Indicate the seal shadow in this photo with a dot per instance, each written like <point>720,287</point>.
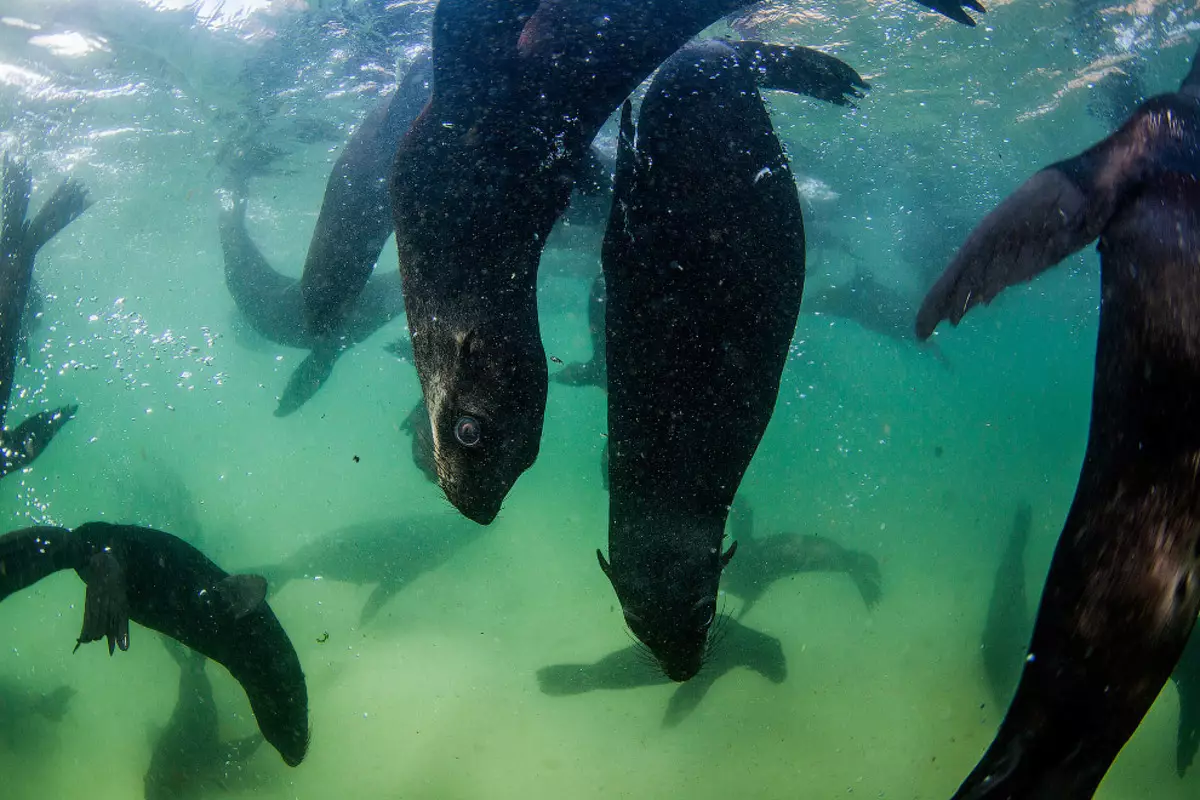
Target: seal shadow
<point>734,645</point>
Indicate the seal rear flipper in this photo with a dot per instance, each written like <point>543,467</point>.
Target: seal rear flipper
<point>21,446</point>
<point>308,378</point>
<point>65,206</point>
<point>241,595</point>
<point>802,70</point>
<point>1047,219</point>
<point>105,606</point>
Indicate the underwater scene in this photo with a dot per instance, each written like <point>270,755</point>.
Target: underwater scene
<point>650,472</point>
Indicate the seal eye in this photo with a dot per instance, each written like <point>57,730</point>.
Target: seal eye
<point>468,432</point>
<point>706,614</point>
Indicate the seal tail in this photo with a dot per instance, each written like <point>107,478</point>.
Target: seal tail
<point>802,70</point>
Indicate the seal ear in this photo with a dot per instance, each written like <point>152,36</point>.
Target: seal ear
<point>604,565</point>
<point>725,558</point>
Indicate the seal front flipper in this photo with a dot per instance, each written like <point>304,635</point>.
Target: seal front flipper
<point>69,200</point>
<point>802,70</point>
<point>19,447</point>
<point>1047,219</point>
<point>105,605</point>
<point>955,9</point>
<point>240,595</point>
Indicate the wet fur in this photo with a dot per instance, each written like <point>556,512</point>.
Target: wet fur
<point>693,371</point>
<point>1122,594</point>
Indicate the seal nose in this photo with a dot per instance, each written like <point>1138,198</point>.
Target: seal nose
<point>475,507</point>
<point>682,672</point>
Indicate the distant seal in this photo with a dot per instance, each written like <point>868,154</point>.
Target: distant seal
<point>1123,591</point>
<point>20,241</point>
<point>1006,631</point>
<point>390,553</point>
<point>698,327</point>
<point>521,88</point>
<point>355,218</point>
<point>763,560</point>
<point>162,582</point>
<point>188,756</point>
<point>273,305</point>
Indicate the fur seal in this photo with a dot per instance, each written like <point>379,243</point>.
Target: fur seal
<point>273,305</point>
<point>390,553</point>
<point>355,218</point>
<point>763,560</point>
<point>1123,591</point>
<point>20,240</point>
<point>162,582</point>
<point>626,669</point>
<point>521,88</point>
<point>698,327</point>
<point>188,755</point>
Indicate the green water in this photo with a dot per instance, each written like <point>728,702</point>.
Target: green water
<point>874,443</point>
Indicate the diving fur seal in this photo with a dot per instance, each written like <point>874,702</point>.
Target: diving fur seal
<point>355,218</point>
<point>698,326</point>
<point>520,90</point>
<point>273,305</point>
<point>763,560</point>
<point>188,758</point>
<point>1123,591</point>
<point>390,553</point>
<point>20,240</point>
<point>162,582</point>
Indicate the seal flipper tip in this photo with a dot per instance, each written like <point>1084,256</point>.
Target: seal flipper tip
<point>241,595</point>
<point>105,606</point>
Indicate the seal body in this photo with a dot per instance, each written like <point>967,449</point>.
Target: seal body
<point>1123,590</point>
<point>704,267</point>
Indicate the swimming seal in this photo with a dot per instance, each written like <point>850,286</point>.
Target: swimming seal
<point>162,582</point>
<point>698,327</point>
<point>520,90</point>
<point>763,560</point>
<point>20,241</point>
<point>1123,591</point>
<point>390,553</point>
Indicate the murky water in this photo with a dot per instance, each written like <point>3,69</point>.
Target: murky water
<point>917,459</point>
